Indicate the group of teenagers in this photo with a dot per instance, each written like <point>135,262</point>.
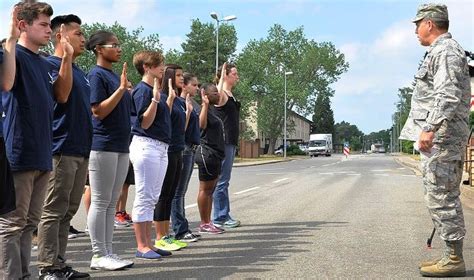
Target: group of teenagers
<point>61,125</point>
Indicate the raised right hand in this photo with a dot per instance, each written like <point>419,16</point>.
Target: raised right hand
<point>156,89</point>
<point>205,100</point>
<point>14,31</point>
<point>171,93</point>
<point>123,77</point>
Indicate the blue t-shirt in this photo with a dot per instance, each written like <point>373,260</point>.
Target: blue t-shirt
<point>1,107</point>
<point>112,134</point>
<point>72,124</point>
<point>160,129</point>
<point>178,125</point>
<point>29,113</point>
<point>193,135</point>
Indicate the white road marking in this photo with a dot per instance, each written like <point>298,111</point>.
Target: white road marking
<point>380,170</point>
<point>384,175</point>
<point>190,206</point>
<point>401,168</point>
<point>270,173</point>
<point>409,175</point>
<point>279,180</point>
<point>247,190</point>
<point>354,174</point>
<point>268,169</point>
<point>327,173</point>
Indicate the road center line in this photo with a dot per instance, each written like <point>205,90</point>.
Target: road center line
<point>279,180</point>
<point>190,206</point>
<point>247,190</point>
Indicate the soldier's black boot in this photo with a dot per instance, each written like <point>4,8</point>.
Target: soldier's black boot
<point>450,265</point>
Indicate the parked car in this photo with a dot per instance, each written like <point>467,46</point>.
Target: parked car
<point>279,150</point>
<point>303,148</point>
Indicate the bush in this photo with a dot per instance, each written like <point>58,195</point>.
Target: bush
<point>294,150</point>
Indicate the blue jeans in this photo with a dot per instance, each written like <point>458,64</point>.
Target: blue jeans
<point>178,217</point>
<point>221,204</point>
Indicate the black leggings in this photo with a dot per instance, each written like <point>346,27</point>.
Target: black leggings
<point>7,189</point>
<point>173,172</point>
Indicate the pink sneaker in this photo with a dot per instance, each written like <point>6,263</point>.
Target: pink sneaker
<point>210,228</point>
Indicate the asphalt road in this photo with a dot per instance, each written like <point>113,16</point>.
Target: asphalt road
<point>325,217</point>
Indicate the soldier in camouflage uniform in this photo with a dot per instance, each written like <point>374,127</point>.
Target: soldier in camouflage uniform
<point>438,120</point>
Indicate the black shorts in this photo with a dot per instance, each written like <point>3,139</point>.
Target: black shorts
<point>130,175</point>
<point>208,164</point>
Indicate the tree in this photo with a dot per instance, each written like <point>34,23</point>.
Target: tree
<point>346,132</point>
<point>131,42</point>
<point>262,66</point>
<point>323,117</point>
<point>401,116</point>
<point>199,49</point>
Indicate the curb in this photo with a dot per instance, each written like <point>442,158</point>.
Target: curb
<point>254,163</point>
<point>467,193</point>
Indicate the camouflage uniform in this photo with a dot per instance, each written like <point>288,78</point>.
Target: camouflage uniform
<point>442,99</point>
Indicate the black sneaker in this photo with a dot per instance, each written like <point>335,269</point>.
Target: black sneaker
<point>188,237</point>
<point>70,273</point>
<point>51,275</point>
<point>73,233</point>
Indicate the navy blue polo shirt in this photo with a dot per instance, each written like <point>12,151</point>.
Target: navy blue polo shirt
<point>193,134</point>
<point>160,129</point>
<point>72,124</point>
<point>178,125</point>
<point>29,113</point>
<point>112,134</point>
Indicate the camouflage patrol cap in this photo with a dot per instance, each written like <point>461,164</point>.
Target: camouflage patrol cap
<point>432,11</point>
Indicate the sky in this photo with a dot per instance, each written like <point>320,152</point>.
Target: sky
<point>377,38</point>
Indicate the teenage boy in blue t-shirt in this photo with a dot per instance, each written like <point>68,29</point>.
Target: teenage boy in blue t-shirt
<point>72,138</point>
<point>28,105</point>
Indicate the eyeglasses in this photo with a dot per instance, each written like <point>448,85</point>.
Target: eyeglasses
<point>113,46</point>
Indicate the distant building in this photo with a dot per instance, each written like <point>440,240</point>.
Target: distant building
<point>299,133</point>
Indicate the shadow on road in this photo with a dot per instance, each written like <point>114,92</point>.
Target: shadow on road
<point>250,249</point>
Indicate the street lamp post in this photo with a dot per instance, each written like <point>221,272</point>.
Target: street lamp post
<point>216,17</point>
<point>284,121</point>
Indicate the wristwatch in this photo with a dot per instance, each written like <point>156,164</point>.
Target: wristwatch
<point>428,128</point>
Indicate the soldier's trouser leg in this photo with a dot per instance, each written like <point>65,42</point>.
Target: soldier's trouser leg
<point>441,179</point>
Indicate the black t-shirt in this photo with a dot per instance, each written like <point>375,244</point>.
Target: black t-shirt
<point>229,113</point>
<point>213,137</point>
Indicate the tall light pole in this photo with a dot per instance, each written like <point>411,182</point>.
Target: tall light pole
<point>284,121</point>
<point>216,17</point>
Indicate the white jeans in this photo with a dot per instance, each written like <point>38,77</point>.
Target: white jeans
<point>107,172</point>
<point>150,161</point>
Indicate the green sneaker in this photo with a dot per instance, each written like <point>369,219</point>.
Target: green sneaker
<point>181,244</point>
<point>165,243</point>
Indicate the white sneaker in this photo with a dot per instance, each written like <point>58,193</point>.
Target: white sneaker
<point>126,262</point>
<point>106,263</point>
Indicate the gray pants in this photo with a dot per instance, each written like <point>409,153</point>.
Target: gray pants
<point>16,227</point>
<point>441,178</point>
<point>63,197</point>
<point>107,172</point>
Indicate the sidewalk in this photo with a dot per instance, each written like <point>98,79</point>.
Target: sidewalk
<point>467,192</point>
<point>239,162</point>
